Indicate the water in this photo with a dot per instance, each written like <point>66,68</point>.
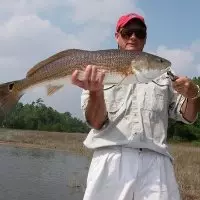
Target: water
<point>30,174</point>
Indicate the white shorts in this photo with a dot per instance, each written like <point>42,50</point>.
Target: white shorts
<point>127,174</point>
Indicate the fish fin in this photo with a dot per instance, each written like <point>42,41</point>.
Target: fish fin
<point>56,56</point>
<point>8,98</point>
<point>51,89</point>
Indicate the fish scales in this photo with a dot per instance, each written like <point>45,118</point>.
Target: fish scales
<point>64,63</point>
<point>79,59</point>
<point>121,66</point>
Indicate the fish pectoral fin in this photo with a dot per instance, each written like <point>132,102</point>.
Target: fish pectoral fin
<point>51,89</point>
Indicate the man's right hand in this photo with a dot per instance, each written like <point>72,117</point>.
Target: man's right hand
<point>95,111</point>
<point>93,79</point>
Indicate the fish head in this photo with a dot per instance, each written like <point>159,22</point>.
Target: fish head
<point>147,67</point>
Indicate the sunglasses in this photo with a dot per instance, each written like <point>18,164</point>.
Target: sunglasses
<point>139,32</point>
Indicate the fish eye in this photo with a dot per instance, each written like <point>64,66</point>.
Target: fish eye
<point>10,86</point>
<point>161,60</point>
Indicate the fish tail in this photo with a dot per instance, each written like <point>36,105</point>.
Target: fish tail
<point>9,97</point>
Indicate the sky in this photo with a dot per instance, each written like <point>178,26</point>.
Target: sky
<point>33,30</point>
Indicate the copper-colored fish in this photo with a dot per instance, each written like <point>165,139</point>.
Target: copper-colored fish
<point>120,66</point>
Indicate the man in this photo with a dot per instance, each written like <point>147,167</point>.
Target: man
<point>129,127</point>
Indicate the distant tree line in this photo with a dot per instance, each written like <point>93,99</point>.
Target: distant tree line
<point>37,116</point>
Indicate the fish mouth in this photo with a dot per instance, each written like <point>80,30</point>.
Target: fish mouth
<point>162,72</point>
<point>166,69</point>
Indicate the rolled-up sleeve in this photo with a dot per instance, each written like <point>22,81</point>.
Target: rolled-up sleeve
<point>84,100</point>
<point>84,103</point>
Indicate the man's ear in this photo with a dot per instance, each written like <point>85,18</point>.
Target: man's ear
<point>116,36</point>
<point>145,40</point>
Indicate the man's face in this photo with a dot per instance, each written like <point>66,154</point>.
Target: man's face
<point>132,36</point>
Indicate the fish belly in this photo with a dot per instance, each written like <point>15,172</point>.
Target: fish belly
<point>113,78</point>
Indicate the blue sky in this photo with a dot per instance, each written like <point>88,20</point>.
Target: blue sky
<point>32,30</point>
<point>173,23</point>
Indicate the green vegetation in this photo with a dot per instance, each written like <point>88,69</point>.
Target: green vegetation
<point>37,116</point>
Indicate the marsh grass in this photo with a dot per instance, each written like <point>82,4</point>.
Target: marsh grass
<point>186,156</point>
<point>71,142</point>
<point>187,169</point>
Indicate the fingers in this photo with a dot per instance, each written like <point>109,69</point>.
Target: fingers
<point>185,86</point>
<point>178,86</point>
<point>75,79</point>
<point>87,76</point>
<point>92,78</point>
<point>180,82</point>
<point>101,77</point>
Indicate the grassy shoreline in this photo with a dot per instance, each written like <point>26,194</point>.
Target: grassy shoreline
<point>186,156</point>
<point>70,142</point>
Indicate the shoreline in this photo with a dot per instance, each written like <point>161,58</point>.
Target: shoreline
<point>57,141</point>
<point>186,155</point>
<point>31,146</point>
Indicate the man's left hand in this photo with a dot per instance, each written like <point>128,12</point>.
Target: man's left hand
<point>185,86</point>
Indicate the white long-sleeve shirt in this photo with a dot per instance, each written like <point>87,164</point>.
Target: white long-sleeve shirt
<point>138,115</point>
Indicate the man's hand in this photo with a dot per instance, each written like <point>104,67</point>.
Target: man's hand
<point>93,79</point>
<point>184,86</point>
<point>95,112</point>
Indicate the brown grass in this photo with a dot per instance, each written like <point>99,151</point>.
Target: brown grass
<point>71,142</point>
<point>186,163</point>
<point>187,169</point>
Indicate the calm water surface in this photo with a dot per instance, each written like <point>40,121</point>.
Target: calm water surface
<point>35,174</point>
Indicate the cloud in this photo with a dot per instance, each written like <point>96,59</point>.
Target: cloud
<point>102,11</point>
<point>32,30</point>
<point>185,61</point>
<point>26,7</point>
<point>29,39</point>
<point>195,46</point>
<point>26,33</point>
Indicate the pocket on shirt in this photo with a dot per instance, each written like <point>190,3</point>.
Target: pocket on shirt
<point>154,98</point>
<point>115,98</point>
<point>157,103</point>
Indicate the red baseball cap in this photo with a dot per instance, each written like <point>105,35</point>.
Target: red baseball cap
<point>124,19</point>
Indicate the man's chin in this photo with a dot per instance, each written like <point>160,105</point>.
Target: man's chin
<point>131,47</point>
